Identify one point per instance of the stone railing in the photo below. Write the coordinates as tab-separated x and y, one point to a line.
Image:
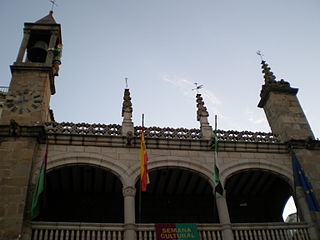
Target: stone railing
266	231
4	89
169	133
83	129
246	136
95	231
76	231
156	132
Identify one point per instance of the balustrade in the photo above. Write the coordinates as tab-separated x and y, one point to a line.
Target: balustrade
157	132
76	231
4	89
95	231
277	231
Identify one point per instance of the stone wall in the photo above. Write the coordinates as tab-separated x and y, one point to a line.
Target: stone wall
286	117
16	160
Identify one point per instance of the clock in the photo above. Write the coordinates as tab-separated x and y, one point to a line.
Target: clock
23	101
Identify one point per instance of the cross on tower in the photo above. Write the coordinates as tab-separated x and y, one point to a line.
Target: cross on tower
260	54
126	79
197	87
53	4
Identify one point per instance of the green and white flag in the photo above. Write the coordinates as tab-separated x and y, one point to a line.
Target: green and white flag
216	174
40	187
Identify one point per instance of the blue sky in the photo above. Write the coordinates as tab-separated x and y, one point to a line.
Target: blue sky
163	47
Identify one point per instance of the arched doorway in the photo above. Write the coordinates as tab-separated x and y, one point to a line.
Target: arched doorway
256	195
82	193
176	195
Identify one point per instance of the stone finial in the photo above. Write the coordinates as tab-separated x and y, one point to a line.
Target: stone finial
127	124
271	85
268	75
202	110
127	105
202	117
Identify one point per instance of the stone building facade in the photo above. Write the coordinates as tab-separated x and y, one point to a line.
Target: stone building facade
93	170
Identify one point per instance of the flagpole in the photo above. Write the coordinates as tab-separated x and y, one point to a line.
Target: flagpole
214	163
140	195
45	182
295	199
215	138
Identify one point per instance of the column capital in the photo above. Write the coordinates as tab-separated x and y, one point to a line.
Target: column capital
129	191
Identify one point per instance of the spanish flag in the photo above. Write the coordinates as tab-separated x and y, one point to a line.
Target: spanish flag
143	164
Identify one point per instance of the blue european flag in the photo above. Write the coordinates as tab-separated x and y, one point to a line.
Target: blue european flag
302	180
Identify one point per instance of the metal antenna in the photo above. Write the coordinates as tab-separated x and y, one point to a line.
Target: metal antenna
197	87
126	79
54	4
260	54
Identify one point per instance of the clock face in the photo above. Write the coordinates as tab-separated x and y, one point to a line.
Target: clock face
23	101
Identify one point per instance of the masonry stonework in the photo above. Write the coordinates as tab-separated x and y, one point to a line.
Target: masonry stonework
184	158
286	117
16	161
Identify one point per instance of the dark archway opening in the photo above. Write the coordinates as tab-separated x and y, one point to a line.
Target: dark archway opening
255	196
82	193
176	195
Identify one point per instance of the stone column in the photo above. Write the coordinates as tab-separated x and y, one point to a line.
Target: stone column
129	193
224	217
52	44
23	46
306	214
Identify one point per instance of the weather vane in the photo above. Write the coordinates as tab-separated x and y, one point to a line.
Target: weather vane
53	2
126	79
260	54
197	87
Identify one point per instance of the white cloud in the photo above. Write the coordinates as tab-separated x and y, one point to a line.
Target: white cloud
185	86
211	97
211	101
252	119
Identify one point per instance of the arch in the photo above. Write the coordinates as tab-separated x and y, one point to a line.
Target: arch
257	195
116	167
157	163
280	175
82	193
176	194
283	172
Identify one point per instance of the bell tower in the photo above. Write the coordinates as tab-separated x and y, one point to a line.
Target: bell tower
33	73
26	107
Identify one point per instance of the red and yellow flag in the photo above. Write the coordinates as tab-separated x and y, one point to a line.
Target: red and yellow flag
143	164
